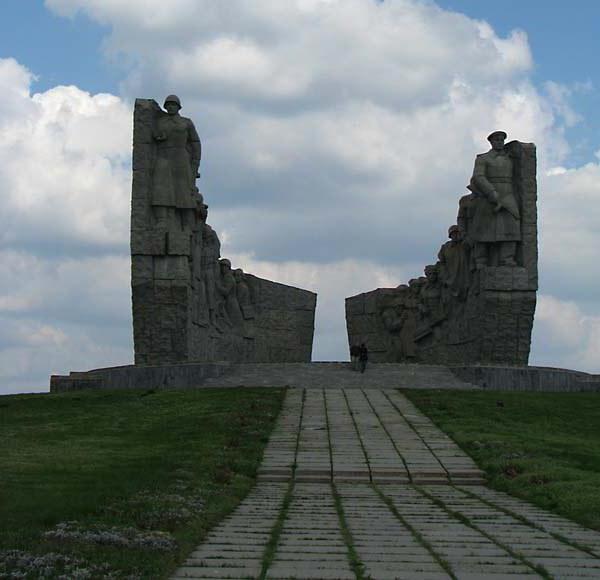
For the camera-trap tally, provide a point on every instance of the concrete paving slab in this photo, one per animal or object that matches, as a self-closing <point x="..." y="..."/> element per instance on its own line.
<point x="412" y="504"/>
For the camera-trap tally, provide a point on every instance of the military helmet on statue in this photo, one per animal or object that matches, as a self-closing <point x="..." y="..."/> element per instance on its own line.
<point x="173" y="99"/>
<point x="501" y="134"/>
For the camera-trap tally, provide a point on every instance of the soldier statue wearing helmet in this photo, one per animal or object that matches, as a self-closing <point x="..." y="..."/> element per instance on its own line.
<point x="454" y="266"/>
<point x="178" y="152"/>
<point x="172" y="99"/>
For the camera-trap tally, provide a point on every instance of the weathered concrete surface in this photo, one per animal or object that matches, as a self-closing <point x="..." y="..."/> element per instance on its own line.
<point x="476" y="304"/>
<point x="361" y="435"/>
<point x="175" y="376"/>
<point x="235" y="548"/>
<point x="326" y="375"/>
<point x="319" y="375"/>
<point x="527" y="378"/>
<point x="189" y="305"/>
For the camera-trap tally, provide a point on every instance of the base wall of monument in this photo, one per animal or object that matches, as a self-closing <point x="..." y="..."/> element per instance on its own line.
<point x="280" y="330"/>
<point x="279" y="327"/>
<point x="543" y="379"/>
<point x="491" y="327"/>
<point x="195" y="375"/>
<point x="495" y="329"/>
<point x="171" y="376"/>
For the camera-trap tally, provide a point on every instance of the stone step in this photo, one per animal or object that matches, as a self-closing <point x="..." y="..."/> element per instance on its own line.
<point x="339" y="375"/>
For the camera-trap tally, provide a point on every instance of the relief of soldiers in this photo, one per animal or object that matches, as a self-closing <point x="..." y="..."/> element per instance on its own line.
<point x="464" y="220"/>
<point x="178" y="153"/>
<point x="454" y="270"/>
<point x="200" y="313"/>
<point x="415" y="287"/>
<point x="201" y="214"/>
<point x="228" y="307"/>
<point x="244" y="296"/>
<point x="430" y="306"/>
<point x="392" y="319"/>
<point x="211" y="252"/>
<point x="496" y="215"/>
<point x="409" y="318"/>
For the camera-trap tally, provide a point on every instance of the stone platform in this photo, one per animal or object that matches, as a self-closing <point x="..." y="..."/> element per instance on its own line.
<point x="507" y="378"/>
<point x="325" y="375"/>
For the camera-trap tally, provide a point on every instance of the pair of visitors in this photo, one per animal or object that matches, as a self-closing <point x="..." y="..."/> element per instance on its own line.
<point x="354" y="356"/>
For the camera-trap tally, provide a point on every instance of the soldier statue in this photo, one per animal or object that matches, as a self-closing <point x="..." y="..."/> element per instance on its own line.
<point x="178" y="153"/>
<point x="496" y="216"/>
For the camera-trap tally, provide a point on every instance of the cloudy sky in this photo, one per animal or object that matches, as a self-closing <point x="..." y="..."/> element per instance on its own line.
<point x="337" y="138"/>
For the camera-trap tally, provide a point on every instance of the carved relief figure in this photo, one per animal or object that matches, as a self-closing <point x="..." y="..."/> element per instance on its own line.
<point x="454" y="268"/>
<point x="243" y="294"/>
<point x="201" y="214"/>
<point x="409" y="318"/>
<point x="496" y="216"/>
<point x="178" y="153"/>
<point x="211" y="252"/>
<point x="430" y="305"/>
<point x="200" y="310"/>
<point x="391" y="317"/>
<point x="228" y="307"/>
<point x="466" y="212"/>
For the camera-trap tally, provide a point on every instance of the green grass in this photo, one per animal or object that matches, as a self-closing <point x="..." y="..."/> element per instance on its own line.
<point x="542" y="447"/>
<point x="175" y="461"/>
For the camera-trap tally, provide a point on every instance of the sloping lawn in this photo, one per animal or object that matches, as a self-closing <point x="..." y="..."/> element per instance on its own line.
<point x="128" y="482"/>
<point x="542" y="447"/>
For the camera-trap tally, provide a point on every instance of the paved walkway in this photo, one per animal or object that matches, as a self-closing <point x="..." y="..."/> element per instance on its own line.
<point x="354" y="435"/>
<point x="356" y="483"/>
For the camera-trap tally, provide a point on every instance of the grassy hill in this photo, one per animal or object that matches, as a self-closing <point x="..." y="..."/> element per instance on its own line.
<point x="541" y="447"/>
<point x="123" y="483"/>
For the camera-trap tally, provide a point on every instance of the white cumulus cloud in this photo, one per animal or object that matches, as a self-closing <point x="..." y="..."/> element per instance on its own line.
<point x="64" y="269"/>
<point x="565" y="335"/>
<point x="337" y="138"/>
<point x="65" y="158"/>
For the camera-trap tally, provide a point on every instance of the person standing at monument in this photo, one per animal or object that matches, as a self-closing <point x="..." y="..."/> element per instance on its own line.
<point x="178" y="152"/>
<point x="354" y="356"/>
<point x="363" y="357"/>
<point x="496" y="217"/>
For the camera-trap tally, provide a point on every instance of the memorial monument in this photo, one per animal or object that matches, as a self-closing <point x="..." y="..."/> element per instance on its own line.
<point x="476" y="304"/>
<point x="189" y="305"/>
